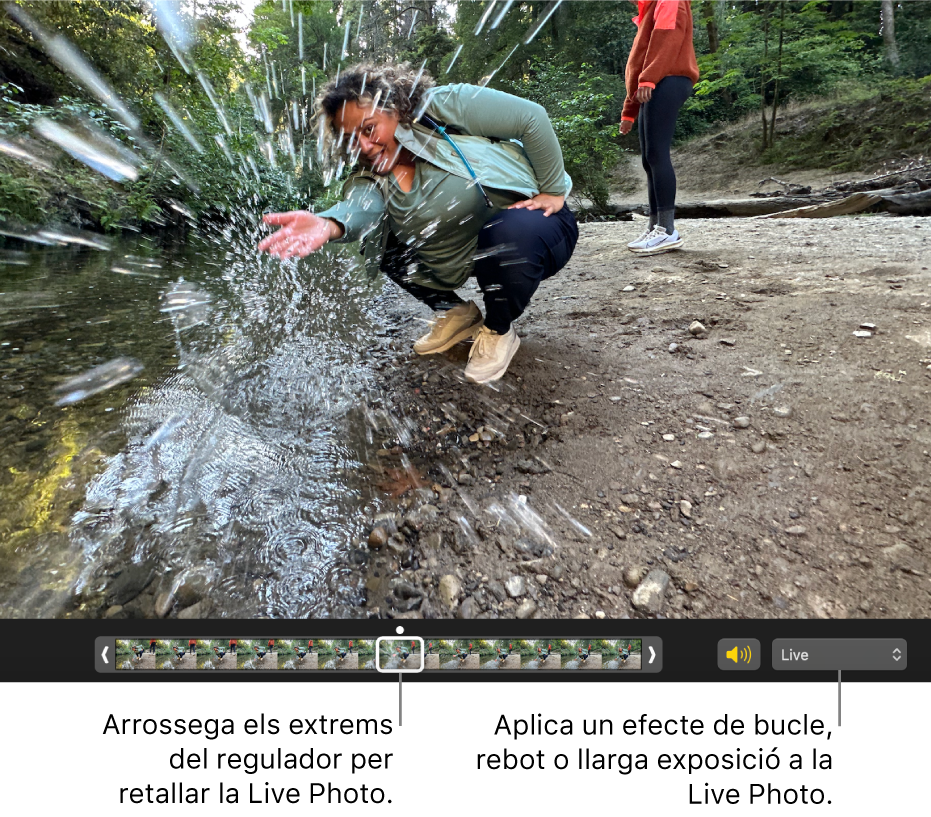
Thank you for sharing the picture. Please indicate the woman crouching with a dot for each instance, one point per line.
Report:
(449, 182)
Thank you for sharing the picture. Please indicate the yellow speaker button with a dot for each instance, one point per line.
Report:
(739, 654)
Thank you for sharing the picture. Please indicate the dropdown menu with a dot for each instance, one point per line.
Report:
(840, 654)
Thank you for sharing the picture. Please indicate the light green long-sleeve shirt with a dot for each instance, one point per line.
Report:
(527, 161)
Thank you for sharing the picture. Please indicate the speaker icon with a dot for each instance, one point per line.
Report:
(739, 654)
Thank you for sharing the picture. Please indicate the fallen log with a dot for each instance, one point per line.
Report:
(743, 207)
(909, 204)
(889, 200)
(856, 203)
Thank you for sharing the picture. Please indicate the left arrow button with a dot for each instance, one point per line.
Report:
(103, 655)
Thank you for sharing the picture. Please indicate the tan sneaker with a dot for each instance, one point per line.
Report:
(449, 328)
(491, 355)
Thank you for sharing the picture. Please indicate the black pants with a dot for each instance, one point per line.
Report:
(656, 126)
(516, 250)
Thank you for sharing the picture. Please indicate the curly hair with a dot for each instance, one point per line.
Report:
(397, 88)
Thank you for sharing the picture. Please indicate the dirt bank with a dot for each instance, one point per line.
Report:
(611, 449)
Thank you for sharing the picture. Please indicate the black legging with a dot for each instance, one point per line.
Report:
(656, 127)
(516, 250)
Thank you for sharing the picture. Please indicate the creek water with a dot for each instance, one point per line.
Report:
(225, 472)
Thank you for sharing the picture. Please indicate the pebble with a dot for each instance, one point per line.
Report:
(650, 596)
(697, 328)
(449, 590)
(758, 447)
(600, 614)
(541, 578)
(497, 590)
(675, 464)
(728, 342)
(464, 478)
(669, 438)
(515, 586)
(405, 590)
(685, 508)
(870, 327)
(691, 587)
(782, 411)
(632, 576)
(378, 538)
(115, 610)
(432, 541)
(628, 288)
(796, 530)
(705, 435)
(616, 399)
(468, 608)
(741, 422)
(673, 348)
(862, 333)
(526, 610)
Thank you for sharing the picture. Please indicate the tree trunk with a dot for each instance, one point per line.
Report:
(887, 23)
(763, 67)
(772, 122)
(707, 16)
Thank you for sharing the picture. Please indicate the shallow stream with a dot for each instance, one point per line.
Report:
(224, 473)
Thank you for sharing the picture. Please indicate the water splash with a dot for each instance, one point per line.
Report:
(345, 51)
(573, 521)
(67, 235)
(484, 18)
(452, 62)
(70, 60)
(173, 29)
(538, 26)
(93, 147)
(178, 122)
(96, 380)
(25, 150)
(208, 89)
(500, 17)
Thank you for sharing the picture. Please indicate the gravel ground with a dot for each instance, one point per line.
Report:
(770, 463)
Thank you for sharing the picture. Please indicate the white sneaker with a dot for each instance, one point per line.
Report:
(449, 328)
(658, 241)
(638, 241)
(491, 355)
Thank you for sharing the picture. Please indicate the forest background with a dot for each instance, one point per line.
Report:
(218, 110)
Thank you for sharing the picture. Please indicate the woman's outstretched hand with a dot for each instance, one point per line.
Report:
(301, 234)
(542, 201)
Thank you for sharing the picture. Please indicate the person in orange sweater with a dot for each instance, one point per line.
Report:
(661, 72)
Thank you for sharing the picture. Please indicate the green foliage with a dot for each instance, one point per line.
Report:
(573, 67)
(578, 112)
(861, 130)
